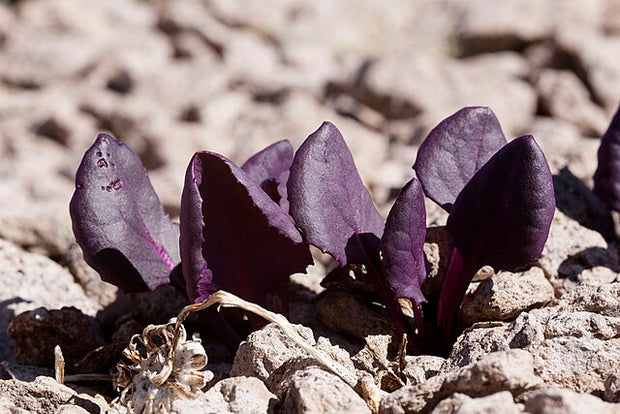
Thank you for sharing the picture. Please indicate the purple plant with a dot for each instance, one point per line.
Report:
(333, 208)
(240, 226)
(235, 237)
(501, 206)
(118, 220)
(607, 174)
(233, 233)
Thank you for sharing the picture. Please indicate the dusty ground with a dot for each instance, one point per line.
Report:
(170, 78)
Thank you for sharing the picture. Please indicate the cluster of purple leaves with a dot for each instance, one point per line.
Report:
(499, 195)
(235, 232)
(246, 229)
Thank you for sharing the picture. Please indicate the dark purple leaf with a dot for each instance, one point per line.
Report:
(454, 150)
(501, 218)
(328, 199)
(332, 206)
(118, 220)
(403, 244)
(234, 237)
(270, 169)
(607, 174)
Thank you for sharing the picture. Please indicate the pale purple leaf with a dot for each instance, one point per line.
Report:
(118, 220)
(235, 237)
(328, 200)
(501, 219)
(402, 244)
(454, 150)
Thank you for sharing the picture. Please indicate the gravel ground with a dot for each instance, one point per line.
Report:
(171, 78)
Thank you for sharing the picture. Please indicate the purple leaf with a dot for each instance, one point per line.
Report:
(234, 237)
(607, 174)
(402, 244)
(270, 169)
(332, 206)
(501, 218)
(329, 201)
(118, 220)
(454, 150)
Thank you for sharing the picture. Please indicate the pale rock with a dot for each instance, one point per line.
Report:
(29, 281)
(413, 399)
(564, 97)
(572, 253)
(260, 76)
(293, 376)
(574, 349)
(33, 203)
(266, 350)
(336, 353)
(314, 390)
(419, 368)
(32, 59)
(511, 371)
(391, 177)
(611, 20)
(402, 27)
(484, 338)
(440, 87)
(595, 54)
(562, 401)
(237, 395)
(581, 324)
(342, 312)
(272, 20)
(486, 26)
(564, 146)
(6, 19)
(604, 299)
(373, 357)
(578, 363)
(505, 295)
(95, 18)
(195, 16)
(508, 62)
(498, 403)
(43, 396)
(41, 225)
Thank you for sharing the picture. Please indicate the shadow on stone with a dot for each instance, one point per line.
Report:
(588, 258)
(577, 201)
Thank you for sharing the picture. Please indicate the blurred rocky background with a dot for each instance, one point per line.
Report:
(172, 77)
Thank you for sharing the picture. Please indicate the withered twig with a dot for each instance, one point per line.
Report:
(226, 299)
(59, 365)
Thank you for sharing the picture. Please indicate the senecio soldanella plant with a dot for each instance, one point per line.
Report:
(245, 229)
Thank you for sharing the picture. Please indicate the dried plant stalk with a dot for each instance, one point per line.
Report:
(59, 365)
(226, 300)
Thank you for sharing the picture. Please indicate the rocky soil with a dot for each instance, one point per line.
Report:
(170, 78)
